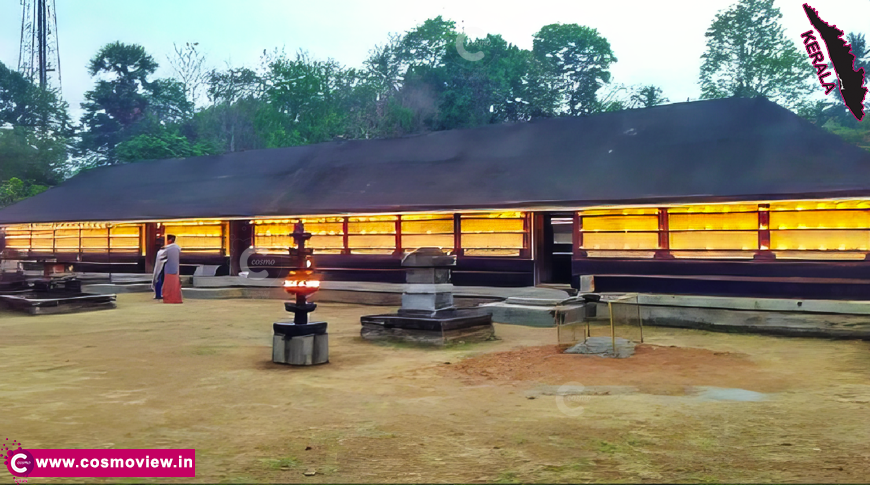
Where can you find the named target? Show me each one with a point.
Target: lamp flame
(301, 284)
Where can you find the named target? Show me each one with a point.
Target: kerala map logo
(849, 79)
(19, 461)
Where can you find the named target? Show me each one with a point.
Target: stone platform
(53, 302)
(434, 328)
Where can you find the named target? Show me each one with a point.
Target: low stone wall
(766, 322)
(800, 318)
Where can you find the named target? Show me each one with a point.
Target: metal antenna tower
(39, 54)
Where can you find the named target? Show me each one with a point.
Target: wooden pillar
(542, 252)
(664, 250)
(457, 235)
(345, 236)
(764, 251)
(528, 224)
(152, 232)
(241, 238)
(577, 238)
(398, 250)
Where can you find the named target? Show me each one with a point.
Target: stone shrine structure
(427, 314)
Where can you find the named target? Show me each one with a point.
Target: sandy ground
(199, 375)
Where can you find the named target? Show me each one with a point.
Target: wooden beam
(457, 235)
(664, 250)
(241, 235)
(346, 236)
(577, 237)
(764, 251)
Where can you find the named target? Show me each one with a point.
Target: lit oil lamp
(301, 280)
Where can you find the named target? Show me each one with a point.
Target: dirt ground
(199, 375)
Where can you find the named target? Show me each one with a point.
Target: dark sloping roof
(708, 150)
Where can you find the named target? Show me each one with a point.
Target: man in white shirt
(157, 278)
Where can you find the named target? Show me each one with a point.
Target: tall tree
(125, 103)
(427, 44)
(23, 103)
(492, 87)
(34, 133)
(306, 98)
(748, 55)
(117, 103)
(228, 122)
(646, 96)
(578, 59)
(188, 66)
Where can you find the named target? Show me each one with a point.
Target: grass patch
(507, 476)
(607, 447)
(285, 463)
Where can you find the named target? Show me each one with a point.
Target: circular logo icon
(244, 265)
(569, 398)
(463, 38)
(20, 463)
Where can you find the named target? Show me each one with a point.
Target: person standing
(159, 265)
(171, 278)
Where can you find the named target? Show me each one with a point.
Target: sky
(655, 42)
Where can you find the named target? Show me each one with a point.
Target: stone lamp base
(442, 327)
(300, 344)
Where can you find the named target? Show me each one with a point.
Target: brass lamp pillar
(301, 281)
(298, 341)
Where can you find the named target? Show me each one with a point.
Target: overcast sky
(658, 42)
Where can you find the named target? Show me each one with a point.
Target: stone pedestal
(300, 344)
(427, 314)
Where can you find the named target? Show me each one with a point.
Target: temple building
(730, 196)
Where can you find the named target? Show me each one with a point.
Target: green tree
(577, 60)
(188, 65)
(14, 190)
(165, 143)
(646, 96)
(125, 103)
(23, 103)
(234, 103)
(749, 55)
(492, 87)
(427, 44)
(858, 135)
(34, 132)
(306, 100)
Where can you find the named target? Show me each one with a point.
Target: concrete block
(546, 302)
(587, 284)
(321, 349)
(427, 275)
(279, 349)
(531, 316)
(428, 258)
(428, 302)
(206, 270)
(536, 314)
(10, 266)
(300, 350)
(428, 288)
